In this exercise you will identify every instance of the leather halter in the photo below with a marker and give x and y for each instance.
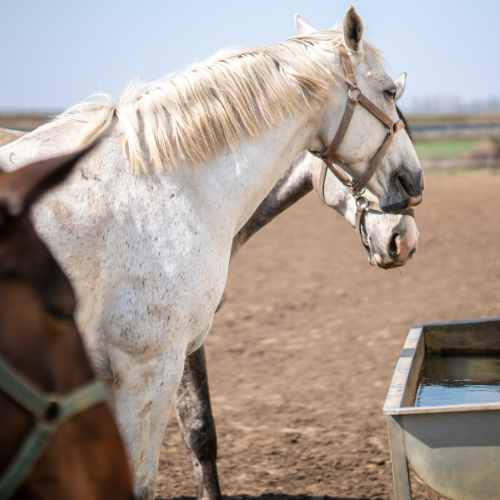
(50, 411)
(393, 127)
(362, 206)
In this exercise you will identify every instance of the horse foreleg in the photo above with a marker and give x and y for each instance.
(144, 394)
(192, 403)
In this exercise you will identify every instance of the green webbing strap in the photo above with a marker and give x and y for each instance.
(81, 399)
(25, 459)
(22, 390)
(38, 403)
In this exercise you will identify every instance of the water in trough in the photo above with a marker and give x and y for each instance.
(459, 379)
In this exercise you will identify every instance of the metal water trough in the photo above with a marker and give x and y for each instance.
(454, 449)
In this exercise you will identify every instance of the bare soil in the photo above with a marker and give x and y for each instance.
(301, 357)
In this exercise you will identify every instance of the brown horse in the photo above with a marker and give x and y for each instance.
(58, 438)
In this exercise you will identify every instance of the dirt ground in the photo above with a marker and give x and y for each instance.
(301, 357)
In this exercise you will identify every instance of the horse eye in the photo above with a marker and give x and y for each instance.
(390, 94)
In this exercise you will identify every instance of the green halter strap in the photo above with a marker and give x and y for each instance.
(49, 410)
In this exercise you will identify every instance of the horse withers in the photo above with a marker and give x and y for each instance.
(58, 438)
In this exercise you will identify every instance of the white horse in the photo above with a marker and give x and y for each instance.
(144, 226)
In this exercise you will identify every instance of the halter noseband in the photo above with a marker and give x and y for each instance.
(393, 127)
(49, 410)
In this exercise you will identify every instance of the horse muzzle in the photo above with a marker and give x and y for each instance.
(400, 248)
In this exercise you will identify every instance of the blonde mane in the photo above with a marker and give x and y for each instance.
(212, 106)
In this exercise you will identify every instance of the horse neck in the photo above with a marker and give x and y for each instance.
(294, 184)
(230, 188)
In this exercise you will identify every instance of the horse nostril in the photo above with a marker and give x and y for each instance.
(393, 245)
(410, 186)
(404, 184)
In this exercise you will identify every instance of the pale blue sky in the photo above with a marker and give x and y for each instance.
(57, 52)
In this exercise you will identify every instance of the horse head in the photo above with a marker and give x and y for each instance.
(374, 133)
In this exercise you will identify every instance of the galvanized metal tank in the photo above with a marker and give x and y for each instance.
(453, 448)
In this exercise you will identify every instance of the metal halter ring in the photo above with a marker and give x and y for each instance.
(354, 87)
(362, 192)
(362, 203)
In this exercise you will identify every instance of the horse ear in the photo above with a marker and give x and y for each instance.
(301, 27)
(400, 83)
(20, 188)
(353, 30)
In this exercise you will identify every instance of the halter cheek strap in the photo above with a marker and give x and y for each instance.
(329, 156)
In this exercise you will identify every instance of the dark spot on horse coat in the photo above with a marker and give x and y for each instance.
(86, 174)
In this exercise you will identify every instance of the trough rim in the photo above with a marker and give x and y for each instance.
(414, 349)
